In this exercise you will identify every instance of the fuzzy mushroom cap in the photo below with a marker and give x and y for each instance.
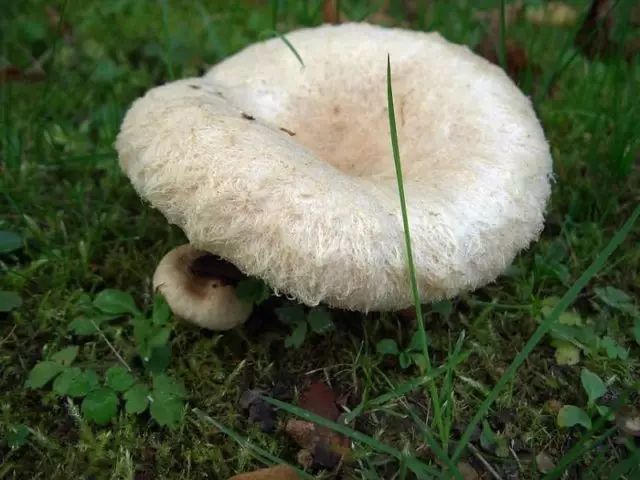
(196, 294)
(287, 170)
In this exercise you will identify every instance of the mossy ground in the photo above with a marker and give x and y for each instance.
(86, 230)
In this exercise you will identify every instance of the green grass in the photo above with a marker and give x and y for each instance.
(491, 362)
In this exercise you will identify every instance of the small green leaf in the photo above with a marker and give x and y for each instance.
(606, 412)
(297, 336)
(387, 346)
(487, 436)
(161, 312)
(404, 359)
(115, 302)
(419, 360)
(142, 330)
(636, 331)
(570, 318)
(593, 385)
(119, 379)
(83, 384)
(9, 301)
(607, 342)
(415, 345)
(84, 325)
(17, 436)
(623, 353)
(65, 380)
(137, 399)
(168, 387)
(43, 373)
(160, 337)
(66, 356)
(613, 297)
(566, 352)
(167, 412)
(159, 358)
(291, 314)
(100, 405)
(570, 416)
(9, 241)
(320, 320)
(253, 290)
(168, 400)
(612, 351)
(443, 308)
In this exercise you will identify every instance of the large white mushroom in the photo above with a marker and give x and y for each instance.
(285, 169)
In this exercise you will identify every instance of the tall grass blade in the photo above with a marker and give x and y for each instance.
(433, 392)
(167, 38)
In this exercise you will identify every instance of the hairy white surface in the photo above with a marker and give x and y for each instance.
(287, 170)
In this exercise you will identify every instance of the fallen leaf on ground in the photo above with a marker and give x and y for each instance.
(554, 14)
(279, 472)
(318, 398)
(54, 21)
(593, 38)
(259, 411)
(517, 63)
(327, 448)
(330, 12)
(635, 16)
(516, 57)
(409, 314)
(544, 462)
(553, 406)
(11, 73)
(467, 471)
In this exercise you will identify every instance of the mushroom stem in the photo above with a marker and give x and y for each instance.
(199, 288)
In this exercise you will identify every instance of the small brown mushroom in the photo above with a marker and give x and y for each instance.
(199, 288)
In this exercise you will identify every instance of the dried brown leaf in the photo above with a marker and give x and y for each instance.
(467, 471)
(318, 398)
(544, 462)
(594, 36)
(54, 18)
(11, 73)
(517, 62)
(330, 12)
(327, 446)
(280, 472)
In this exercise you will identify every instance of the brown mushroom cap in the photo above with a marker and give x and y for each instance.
(199, 288)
